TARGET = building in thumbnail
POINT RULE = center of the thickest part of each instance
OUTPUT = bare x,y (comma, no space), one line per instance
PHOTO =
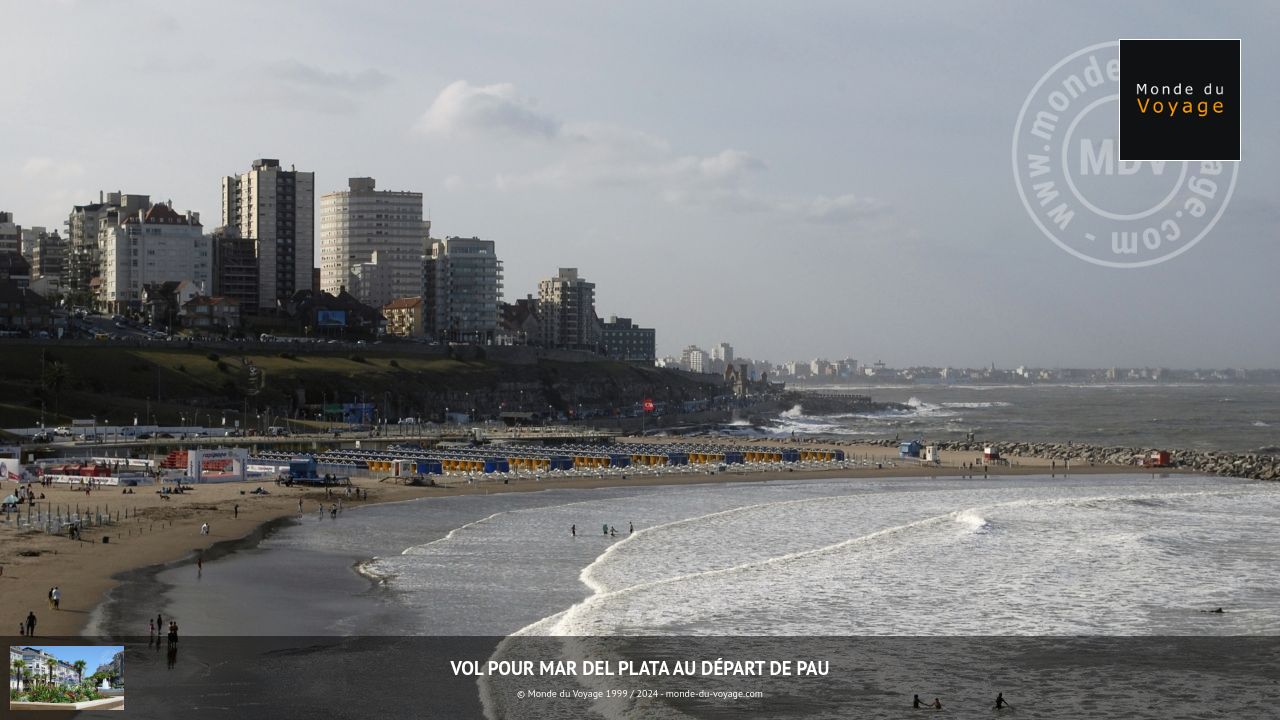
462,289
371,242
152,247
622,339
567,306
275,208
82,264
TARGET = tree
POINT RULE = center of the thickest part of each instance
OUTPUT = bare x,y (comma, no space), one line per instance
54,378
51,663
19,668
79,666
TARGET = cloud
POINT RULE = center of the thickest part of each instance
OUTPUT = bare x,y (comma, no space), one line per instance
463,108
300,87
299,73
589,155
46,168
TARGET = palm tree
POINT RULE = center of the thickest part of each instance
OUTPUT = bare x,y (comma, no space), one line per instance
18,667
51,663
79,666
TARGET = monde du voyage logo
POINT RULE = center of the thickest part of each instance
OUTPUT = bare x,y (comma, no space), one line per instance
1129,169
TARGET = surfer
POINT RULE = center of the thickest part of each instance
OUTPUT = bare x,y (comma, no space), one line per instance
1215,611
1000,703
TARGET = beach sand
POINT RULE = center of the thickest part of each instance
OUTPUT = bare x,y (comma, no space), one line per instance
159,531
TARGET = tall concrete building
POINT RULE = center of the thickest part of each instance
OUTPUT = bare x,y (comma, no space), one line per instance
462,289
567,304
235,268
152,247
85,227
722,352
371,242
45,251
276,209
10,233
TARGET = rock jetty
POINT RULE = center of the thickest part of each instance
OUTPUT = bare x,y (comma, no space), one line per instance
1256,466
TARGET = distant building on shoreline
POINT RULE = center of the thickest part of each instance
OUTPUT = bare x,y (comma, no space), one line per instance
275,208
462,290
567,305
371,242
621,339
10,233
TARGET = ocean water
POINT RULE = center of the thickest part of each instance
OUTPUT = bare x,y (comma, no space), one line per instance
1241,418
1091,555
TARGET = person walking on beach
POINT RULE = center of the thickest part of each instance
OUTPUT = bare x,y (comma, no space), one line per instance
151,629
236,511
204,529
631,527
50,598
31,624
299,506
56,594
200,564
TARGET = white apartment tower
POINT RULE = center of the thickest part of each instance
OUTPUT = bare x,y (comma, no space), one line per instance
371,242
276,209
154,246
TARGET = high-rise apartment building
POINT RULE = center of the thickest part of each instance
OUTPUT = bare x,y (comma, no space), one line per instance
235,268
371,242
275,208
45,251
567,304
85,226
10,233
462,289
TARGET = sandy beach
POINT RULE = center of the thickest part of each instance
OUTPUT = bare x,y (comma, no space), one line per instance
155,531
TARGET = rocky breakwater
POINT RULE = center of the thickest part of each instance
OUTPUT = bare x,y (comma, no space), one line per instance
1256,466
834,403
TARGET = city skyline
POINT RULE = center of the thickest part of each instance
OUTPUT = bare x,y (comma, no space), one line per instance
820,168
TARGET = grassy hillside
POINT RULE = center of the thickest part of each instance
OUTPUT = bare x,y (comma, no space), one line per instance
118,383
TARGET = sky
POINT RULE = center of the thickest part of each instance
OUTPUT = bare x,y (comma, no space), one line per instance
819,179
93,655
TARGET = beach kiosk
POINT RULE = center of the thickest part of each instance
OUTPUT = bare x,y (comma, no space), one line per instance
931,454
990,454
1159,458
909,449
